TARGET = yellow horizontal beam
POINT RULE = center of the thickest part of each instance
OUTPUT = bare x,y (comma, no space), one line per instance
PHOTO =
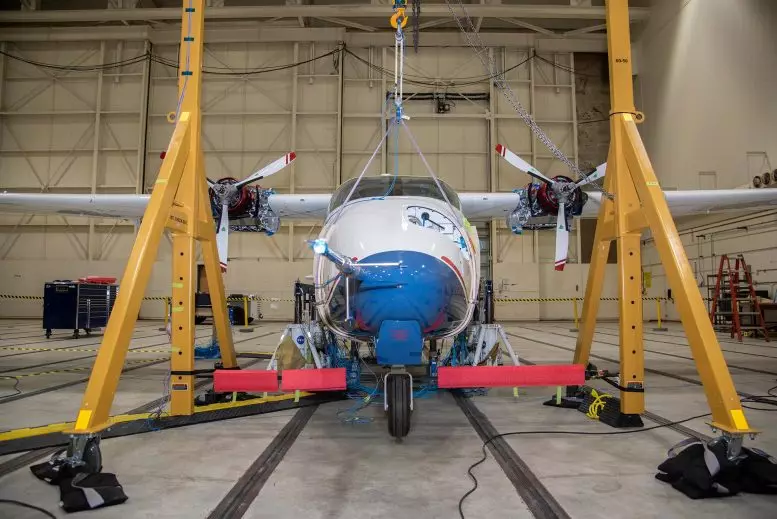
28,432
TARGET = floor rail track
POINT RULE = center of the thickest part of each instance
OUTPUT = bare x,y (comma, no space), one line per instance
28,458
239,498
537,497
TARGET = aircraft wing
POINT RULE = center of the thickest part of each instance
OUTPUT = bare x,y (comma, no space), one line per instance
478,206
289,207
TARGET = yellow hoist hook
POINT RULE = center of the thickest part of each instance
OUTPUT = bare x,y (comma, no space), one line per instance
398,19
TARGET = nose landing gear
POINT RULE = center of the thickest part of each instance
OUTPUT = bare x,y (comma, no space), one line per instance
398,402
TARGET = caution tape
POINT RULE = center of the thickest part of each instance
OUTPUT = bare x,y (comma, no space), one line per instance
75,370
291,300
156,298
564,299
79,350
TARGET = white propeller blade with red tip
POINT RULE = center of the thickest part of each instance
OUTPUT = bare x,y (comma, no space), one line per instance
521,164
562,238
562,232
222,237
269,169
593,177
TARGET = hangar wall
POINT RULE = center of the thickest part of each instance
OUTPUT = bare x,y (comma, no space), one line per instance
102,131
706,80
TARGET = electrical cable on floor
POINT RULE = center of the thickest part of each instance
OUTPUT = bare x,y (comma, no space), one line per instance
352,412
754,398
15,389
571,433
27,505
761,399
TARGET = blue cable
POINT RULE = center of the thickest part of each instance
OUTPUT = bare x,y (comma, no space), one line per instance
188,41
398,114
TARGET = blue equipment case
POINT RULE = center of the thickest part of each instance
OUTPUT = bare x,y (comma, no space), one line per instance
76,306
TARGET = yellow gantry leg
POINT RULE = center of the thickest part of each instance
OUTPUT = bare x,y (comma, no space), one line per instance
104,379
639,203
179,202
727,414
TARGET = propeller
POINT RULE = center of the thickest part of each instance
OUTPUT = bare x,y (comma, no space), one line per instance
521,164
593,177
562,239
563,190
269,169
222,237
226,193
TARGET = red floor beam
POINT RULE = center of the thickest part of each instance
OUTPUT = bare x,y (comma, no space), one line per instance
511,376
325,379
226,380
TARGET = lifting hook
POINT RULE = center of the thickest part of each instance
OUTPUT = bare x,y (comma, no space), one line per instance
398,19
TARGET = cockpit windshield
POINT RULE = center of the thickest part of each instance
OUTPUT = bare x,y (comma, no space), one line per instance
388,185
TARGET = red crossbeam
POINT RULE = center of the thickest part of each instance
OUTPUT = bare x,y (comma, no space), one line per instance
511,376
325,379
226,380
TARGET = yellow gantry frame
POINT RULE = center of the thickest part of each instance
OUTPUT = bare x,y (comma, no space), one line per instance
180,203
639,203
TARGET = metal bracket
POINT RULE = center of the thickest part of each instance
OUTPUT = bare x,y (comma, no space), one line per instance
265,216
77,447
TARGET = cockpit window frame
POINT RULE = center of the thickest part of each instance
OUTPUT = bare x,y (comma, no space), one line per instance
376,187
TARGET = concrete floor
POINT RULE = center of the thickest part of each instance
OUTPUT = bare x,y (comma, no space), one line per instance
354,470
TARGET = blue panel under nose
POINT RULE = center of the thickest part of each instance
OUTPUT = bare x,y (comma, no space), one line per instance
399,343
423,289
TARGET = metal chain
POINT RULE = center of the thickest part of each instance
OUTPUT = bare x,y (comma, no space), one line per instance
498,77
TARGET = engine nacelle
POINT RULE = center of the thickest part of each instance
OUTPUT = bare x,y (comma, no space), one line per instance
240,200
538,206
249,207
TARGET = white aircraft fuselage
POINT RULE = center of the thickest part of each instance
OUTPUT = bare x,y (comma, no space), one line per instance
416,266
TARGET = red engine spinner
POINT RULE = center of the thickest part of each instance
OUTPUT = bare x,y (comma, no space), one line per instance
242,202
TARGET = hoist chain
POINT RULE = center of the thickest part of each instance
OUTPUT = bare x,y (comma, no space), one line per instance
473,39
416,23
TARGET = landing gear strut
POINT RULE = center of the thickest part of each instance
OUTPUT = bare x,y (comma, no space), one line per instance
398,402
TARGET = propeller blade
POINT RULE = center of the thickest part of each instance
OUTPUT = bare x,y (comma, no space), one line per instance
269,169
521,164
210,182
222,237
562,238
593,177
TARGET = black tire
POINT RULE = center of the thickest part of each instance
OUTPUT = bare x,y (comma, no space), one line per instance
93,458
398,392
199,319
